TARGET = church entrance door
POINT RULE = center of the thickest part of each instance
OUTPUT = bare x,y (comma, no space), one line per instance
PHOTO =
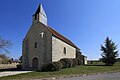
35,63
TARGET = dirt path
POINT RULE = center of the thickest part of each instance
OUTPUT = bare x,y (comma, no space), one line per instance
7,73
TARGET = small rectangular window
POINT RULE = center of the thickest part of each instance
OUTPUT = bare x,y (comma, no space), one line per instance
35,44
64,50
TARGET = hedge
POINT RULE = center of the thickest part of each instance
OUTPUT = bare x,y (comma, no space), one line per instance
54,66
75,62
79,61
67,62
63,63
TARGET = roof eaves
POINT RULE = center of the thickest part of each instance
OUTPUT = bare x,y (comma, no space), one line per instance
55,33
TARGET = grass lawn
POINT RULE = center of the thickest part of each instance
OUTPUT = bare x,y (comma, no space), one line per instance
78,70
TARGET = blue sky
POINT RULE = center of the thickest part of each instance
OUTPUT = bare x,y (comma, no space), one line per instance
85,22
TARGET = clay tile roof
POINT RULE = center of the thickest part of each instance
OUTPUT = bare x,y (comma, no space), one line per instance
58,35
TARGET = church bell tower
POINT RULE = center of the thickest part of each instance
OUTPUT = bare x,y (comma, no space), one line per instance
40,16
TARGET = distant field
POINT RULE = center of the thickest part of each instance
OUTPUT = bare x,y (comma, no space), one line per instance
78,70
95,63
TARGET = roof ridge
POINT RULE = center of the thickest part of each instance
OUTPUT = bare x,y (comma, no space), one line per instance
58,35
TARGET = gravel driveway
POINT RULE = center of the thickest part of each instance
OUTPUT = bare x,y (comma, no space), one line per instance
105,76
110,76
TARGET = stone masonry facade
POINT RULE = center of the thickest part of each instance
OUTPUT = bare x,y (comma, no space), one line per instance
58,50
43,50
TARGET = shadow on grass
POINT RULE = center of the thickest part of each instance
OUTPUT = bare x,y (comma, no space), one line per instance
95,65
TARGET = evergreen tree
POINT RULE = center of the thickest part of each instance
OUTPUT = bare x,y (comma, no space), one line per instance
109,52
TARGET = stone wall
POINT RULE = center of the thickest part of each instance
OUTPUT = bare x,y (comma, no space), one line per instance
8,66
58,50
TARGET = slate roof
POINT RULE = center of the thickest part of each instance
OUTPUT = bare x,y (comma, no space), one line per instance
58,35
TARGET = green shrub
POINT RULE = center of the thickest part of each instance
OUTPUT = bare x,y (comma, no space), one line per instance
67,61
63,64
44,67
19,66
47,67
75,62
54,66
79,61
58,65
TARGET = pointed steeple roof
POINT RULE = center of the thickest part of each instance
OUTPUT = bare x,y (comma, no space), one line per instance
40,15
40,10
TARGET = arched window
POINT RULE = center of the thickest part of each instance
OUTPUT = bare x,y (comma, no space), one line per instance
35,44
64,50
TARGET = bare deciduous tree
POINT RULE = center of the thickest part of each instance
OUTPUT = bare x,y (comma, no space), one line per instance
4,44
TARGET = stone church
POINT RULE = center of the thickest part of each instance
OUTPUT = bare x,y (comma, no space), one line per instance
42,44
